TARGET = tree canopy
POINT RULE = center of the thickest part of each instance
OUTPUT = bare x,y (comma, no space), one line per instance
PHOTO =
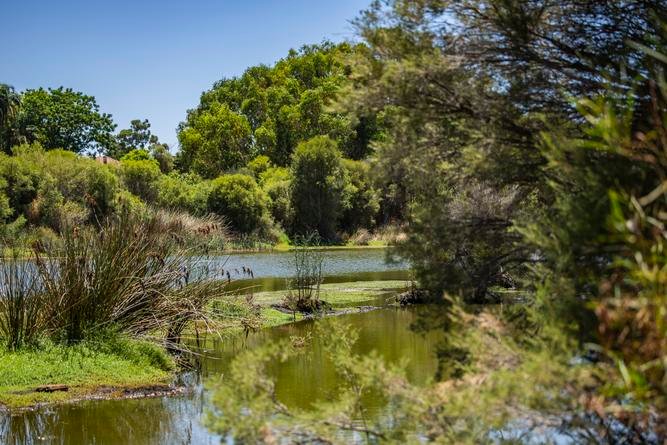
270,110
66,119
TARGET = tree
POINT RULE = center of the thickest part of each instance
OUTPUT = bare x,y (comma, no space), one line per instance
215,141
163,156
239,200
138,136
10,103
286,104
364,202
63,118
318,187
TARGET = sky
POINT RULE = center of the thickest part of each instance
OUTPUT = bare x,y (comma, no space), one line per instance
151,59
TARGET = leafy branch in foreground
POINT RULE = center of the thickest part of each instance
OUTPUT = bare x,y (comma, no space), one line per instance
506,391
246,406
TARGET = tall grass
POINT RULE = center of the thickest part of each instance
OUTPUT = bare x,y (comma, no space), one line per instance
130,274
21,314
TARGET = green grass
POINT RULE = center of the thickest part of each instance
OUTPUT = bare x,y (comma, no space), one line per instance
117,363
272,317
340,295
231,312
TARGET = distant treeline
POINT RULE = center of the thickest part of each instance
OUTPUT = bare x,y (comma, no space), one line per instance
266,151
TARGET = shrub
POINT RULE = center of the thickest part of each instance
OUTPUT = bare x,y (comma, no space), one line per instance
240,201
259,165
363,202
183,193
141,177
276,183
318,186
81,180
164,158
21,181
138,154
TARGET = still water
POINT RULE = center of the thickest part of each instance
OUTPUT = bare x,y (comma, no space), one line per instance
299,381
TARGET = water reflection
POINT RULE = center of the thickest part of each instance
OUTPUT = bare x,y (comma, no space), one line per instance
178,420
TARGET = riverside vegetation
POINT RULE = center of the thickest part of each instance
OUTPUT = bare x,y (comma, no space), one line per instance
521,146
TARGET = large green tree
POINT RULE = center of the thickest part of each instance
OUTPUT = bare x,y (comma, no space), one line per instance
64,118
319,183
464,91
283,105
215,142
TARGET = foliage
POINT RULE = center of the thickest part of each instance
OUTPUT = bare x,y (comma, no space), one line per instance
163,156
183,192
363,200
215,142
137,137
10,103
65,119
318,187
141,176
259,165
283,105
276,183
247,396
239,200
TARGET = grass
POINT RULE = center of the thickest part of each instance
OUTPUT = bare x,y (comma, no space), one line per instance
125,364
233,314
86,368
340,295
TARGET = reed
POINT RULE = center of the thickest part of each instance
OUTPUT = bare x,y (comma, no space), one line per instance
130,275
21,302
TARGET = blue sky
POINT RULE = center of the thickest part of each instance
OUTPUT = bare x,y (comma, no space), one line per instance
152,59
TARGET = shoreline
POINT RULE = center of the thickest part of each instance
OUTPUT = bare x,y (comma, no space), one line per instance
344,298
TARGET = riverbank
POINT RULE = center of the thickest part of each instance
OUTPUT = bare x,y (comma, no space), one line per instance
117,367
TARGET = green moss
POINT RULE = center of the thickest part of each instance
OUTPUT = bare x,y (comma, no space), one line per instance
85,368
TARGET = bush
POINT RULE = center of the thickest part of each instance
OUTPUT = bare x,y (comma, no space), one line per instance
183,192
318,187
259,165
80,180
141,177
21,181
276,183
240,201
363,202
137,154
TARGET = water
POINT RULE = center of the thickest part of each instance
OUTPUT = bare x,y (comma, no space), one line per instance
299,381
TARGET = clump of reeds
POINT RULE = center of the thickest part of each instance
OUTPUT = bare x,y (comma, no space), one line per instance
21,313
303,293
130,274
202,233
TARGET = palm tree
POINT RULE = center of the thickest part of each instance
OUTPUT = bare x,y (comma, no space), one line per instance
10,102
